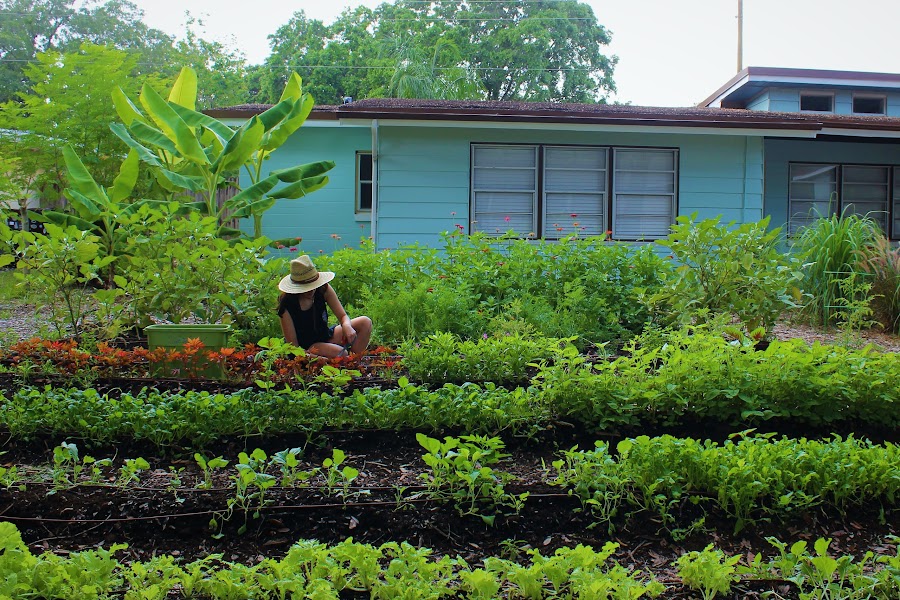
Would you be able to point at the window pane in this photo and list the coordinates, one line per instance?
(504, 179)
(365, 196)
(504, 211)
(365, 166)
(504, 156)
(812, 194)
(816, 102)
(575, 158)
(574, 191)
(865, 193)
(870, 106)
(571, 180)
(644, 185)
(895, 233)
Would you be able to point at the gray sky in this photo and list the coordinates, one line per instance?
(671, 52)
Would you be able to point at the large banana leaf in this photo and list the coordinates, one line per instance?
(147, 155)
(194, 184)
(256, 207)
(274, 115)
(85, 207)
(126, 180)
(80, 180)
(252, 193)
(241, 146)
(126, 109)
(172, 125)
(297, 173)
(301, 188)
(150, 135)
(293, 88)
(198, 119)
(184, 90)
(298, 115)
(63, 220)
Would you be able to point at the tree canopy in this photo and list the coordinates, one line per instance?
(531, 50)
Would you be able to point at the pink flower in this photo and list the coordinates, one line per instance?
(506, 219)
(279, 246)
(460, 227)
(297, 239)
(573, 215)
(484, 336)
(452, 213)
(293, 248)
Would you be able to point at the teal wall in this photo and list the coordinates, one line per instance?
(424, 174)
(780, 153)
(326, 212)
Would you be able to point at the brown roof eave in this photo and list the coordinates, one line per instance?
(646, 120)
(246, 113)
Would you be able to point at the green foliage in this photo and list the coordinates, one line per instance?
(443, 357)
(880, 261)
(60, 268)
(181, 268)
(67, 104)
(446, 50)
(709, 571)
(728, 270)
(193, 155)
(476, 285)
(461, 473)
(830, 250)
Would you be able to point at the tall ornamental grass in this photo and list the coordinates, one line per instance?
(881, 260)
(829, 249)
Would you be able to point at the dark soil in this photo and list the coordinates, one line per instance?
(159, 515)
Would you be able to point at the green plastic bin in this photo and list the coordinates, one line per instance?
(173, 337)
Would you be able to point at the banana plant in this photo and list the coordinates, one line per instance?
(103, 212)
(193, 155)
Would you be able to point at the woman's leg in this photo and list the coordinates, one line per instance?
(327, 349)
(363, 327)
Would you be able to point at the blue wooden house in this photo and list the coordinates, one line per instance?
(787, 143)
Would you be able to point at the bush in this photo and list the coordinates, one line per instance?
(730, 270)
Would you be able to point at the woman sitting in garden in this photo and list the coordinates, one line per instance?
(304, 317)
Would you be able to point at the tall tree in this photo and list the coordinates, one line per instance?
(69, 101)
(29, 27)
(536, 50)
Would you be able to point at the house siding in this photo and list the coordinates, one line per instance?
(424, 175)
(328, 211)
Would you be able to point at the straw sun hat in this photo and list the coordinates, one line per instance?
(304, 277)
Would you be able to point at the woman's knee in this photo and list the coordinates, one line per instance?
(362, 322)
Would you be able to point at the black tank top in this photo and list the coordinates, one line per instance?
(311, 325)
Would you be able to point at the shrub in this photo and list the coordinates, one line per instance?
(728, 269)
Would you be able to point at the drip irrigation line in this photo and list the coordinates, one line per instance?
(277, 507)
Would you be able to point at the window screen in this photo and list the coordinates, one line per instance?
(504, 189)
(574, 191)
(643, 193)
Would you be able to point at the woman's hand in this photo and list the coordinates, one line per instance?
(349, 334)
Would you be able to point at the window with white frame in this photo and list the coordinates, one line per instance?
(822, 190)
(554, 191)
(363, 182)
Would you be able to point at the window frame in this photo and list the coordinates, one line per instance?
(828, 95)
(836, 206)
(539, 203)
(358, 207)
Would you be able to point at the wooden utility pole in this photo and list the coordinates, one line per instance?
(740, 49)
